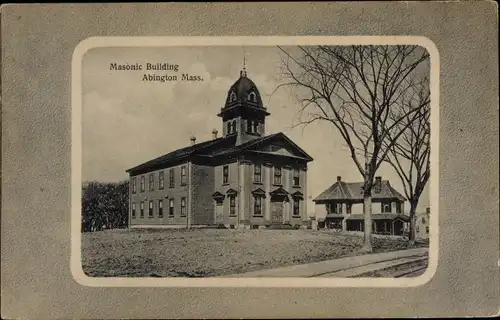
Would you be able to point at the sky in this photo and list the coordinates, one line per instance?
(127, 121)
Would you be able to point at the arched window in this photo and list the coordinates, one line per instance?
(252, 97)
(232, 97)
(234, 126)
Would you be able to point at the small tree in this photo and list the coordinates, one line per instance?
(409, 154)
(354, 88)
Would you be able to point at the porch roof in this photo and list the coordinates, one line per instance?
(380, 216)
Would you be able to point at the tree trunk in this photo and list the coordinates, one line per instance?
(367, 210)
(413, 222)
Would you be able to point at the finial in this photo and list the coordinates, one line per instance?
(243, 72)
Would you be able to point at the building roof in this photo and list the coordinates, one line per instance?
(353, 191)
(220, 147)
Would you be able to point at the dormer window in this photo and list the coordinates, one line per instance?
(232, 97)
(252, 97)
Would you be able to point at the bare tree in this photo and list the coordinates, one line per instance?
(355, 88)
(409, 154)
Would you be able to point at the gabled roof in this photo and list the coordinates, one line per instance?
(220, 147)
(353, 191)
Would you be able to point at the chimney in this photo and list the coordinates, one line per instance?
(193, 140)
(378, 184)
(339, 178)
(214, 134)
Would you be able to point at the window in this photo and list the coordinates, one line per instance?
(418, 229)
(142, 209)
(349, 208)
(160, 208)
(277, 175)
(335, 208)
(225, 175)
(142, 183)
(398, 207)
(427, 229)
(171, 178)
(249, 126)
(183, 175)
(183, 206)
(232, 206)
(296, 177)
(133, 209)
(423, 220)
(257, 206)
(150, 215)
(255, 127)
(171, 207)
(134, 185)
(296, 207)
(232, 97)
(234, 126)
(161, 179)
(252, 97)
(257, 173)
(386, 207)
(151, 182)
(229, 127)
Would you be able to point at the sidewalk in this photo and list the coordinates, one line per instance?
(333, 266)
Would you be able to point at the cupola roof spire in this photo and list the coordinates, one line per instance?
(243, 71)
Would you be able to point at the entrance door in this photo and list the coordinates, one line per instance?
(277, 212)
(219, 213)
(398, 227)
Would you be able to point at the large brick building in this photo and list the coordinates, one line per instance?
(243, 179)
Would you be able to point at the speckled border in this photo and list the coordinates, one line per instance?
(38, 41)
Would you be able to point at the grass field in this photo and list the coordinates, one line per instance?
(213, 252)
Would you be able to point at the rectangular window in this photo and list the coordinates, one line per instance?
(183, 206)
(134, 185)
(232, 206)
(160, 208)
(249, 126)
(423, 220)
(150, 213)
(151, 182)
(225, 175)
(143, 182)
(296, 177)
(171, 207)
(161, 180)
(296, 207)
(257, 206)
(339, 208)
(398, 207)
(257, 173)
(183, 175)
(427, 229)
(142, 209)
(386, 207)
(133, 209)
(277, 175)
(349, 208)
(171, 178)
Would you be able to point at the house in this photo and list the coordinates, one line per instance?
(422, 220)
(243, 179)
(342, 206)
